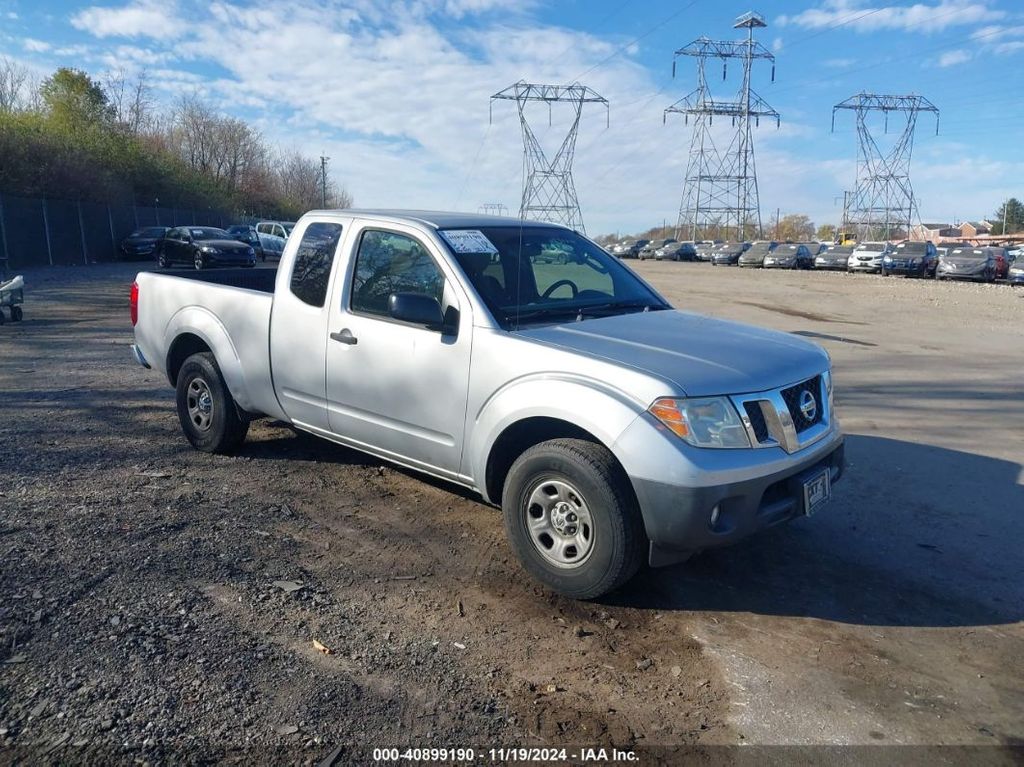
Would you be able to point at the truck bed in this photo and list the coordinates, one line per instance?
(261, 280)
(228, 310)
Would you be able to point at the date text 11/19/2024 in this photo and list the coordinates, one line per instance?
(504, 755)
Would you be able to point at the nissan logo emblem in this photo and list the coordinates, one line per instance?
(808, 405)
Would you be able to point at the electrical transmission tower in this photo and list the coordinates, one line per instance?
(549, 193)
(493, 209)
(720, 194)
(882, 204)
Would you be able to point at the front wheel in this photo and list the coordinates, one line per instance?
(206, 409)
(161, 260)
(199, 262)
(572, 518)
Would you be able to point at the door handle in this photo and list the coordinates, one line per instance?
(345, 336)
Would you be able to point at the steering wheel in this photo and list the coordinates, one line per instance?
(556, 285)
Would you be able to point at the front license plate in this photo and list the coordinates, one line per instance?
(817, 491)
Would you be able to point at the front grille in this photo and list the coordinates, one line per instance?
(792, 398)
(757, 422)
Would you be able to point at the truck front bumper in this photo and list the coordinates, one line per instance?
(693, 499)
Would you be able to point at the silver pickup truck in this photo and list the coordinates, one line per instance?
(610, 427)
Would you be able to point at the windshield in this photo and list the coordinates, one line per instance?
(874, 247)
(544, 274)
(912, 247)
(288, 228)
(208, 233)
(153, 232)
(838, 250)
(786, 250)
(972, 253)
(760, 249)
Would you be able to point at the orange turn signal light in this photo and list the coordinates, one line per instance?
(668, 412)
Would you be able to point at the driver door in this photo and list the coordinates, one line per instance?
(396, 388)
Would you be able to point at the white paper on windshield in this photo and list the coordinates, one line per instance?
(468, 241)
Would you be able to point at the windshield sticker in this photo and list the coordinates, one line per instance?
(468, 241)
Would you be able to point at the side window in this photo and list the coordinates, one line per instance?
(311, 269)
(388, 263)
(262, 229)
(279, 232)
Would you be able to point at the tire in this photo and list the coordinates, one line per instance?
(217, 427)
(16, 314)
(198, 261)
(582, 478)
(161, 260)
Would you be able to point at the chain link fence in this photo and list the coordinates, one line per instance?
(40, 232)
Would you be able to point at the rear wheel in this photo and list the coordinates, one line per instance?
(207, 411)
(572, 518)
(16, 314)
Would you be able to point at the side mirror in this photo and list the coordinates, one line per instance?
(417, 309)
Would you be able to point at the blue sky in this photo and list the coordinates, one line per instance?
(396, 91)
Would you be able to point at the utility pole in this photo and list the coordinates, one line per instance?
(720, 192)
(323, 180)
(1006, 205)
(549, 193)
(882, 200)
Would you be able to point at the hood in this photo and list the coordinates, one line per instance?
(223, 244)
(701, 356)
(965, 264)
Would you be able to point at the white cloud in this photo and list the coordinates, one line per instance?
(143, 18)
(952, 58)
(839, 63)
(35, 46)
(919, 17)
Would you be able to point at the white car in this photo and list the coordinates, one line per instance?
(868, 257)
(273, 235)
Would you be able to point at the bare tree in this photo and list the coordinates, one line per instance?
(131, 99)
(13, 78)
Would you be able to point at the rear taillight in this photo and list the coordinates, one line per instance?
(134, 301)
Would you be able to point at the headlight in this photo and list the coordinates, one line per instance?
(210, 250)
(708, 422)
(887, 259)
(915, 261)
(252, 253)
(827, 378)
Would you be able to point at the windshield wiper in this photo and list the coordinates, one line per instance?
(614, 306)
(515, 317)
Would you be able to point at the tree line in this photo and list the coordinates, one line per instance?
(74, 137)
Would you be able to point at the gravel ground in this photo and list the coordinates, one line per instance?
(159, 604)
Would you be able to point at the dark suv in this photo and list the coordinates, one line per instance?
(913, 259)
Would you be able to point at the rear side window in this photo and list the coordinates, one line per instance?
(388, 263)
(313, 258)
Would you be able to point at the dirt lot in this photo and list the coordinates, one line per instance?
(156, 602)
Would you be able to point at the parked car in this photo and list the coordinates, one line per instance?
(790, 255)
(1002, 258)
(610, 428)
(967, 263)
(756, 253)
(728, 254)
(1016, 272)
(913, 259)
(629, 248)
(706, 248)
(648, 250)
(247, 233)
(676, 251)
(834, 257)
(273, 235)
(816, 248)
(141, 243)
(202, 247)
(868, 257)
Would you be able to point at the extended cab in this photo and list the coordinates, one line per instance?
(610, 427)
